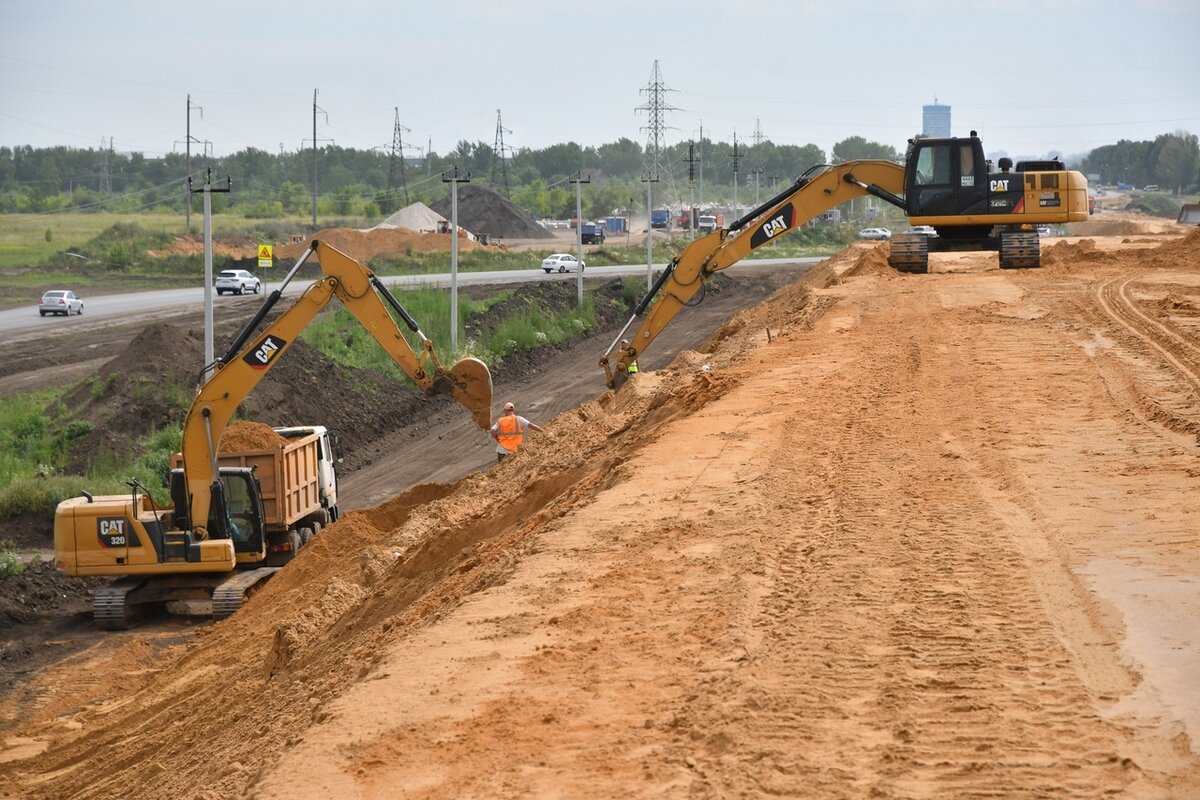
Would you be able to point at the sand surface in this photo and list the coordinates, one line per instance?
(906, 536)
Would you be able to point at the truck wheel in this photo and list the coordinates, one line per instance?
(325, 517)
(306, 535)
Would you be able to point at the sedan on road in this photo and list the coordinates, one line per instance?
(60, 301)
(875, 233)
(562, 262)
(237, 281)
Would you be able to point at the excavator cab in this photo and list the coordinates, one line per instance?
(946, 177)
(242, 509)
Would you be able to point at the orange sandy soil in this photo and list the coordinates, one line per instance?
(909, 536)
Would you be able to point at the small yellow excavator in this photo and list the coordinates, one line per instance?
(215, 539)
(945, 183)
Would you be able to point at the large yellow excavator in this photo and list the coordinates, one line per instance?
(945, 183)
(216, 539)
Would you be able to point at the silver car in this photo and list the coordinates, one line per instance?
(60, 301)
(562, 262)
(237, 281)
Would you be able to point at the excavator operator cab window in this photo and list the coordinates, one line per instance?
(245, 511)
(933, 165)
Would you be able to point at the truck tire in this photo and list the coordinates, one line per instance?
(307, 533)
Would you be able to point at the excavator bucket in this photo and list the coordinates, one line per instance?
(472, 387)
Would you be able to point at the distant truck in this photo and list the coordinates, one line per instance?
(592, 233)
(707, 223)
(616, 224)
(660, 218)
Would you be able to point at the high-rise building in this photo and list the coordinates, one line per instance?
(935, 120)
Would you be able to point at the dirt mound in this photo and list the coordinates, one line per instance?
(249, 436)
(484, 211)
(236, 247)
(146, 387)
(151, 384)
(363, 246)
(41, 590)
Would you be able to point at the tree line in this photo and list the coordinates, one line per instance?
(372, 183)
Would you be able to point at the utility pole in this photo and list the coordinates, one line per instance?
(692, 159)
(577, 180)
(454, 180)
(656, 107)
(736, 211)
(207, 189)
(701, 159)
(758, 157)
(649, 180)
(397, 158)
(316, 109)
(499, 158)
(188, 164)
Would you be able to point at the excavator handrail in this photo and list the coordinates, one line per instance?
(812, 194)
(248, 360)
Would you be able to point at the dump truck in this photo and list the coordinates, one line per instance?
(235, 518)
(591, 233)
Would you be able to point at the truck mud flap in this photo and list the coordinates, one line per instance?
(228, 597)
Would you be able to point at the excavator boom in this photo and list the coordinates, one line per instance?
(814, 193)
(248, 360)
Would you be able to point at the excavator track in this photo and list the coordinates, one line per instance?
(1020, 250)
(910, 253)
(111, 606)
(228, 597)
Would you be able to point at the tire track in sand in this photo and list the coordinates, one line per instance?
(903, 643)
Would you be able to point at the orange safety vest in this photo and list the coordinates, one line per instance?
(510, 432)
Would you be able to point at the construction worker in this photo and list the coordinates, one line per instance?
(633, 367)
(509, 431)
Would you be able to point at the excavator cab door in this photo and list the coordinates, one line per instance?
(243, 504)
(946, 177)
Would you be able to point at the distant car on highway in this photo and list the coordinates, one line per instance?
(875, 233)
(562, 262)
(60, 301)
(237, 281)
(923, 230)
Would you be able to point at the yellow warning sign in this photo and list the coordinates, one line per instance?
(265, 259)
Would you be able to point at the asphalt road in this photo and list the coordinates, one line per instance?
(19, 324)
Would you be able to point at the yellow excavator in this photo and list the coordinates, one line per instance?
(215, 539)
(945, 183)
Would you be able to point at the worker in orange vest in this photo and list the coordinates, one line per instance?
(633, 367)
(509, 431)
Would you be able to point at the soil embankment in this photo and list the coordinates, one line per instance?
(883, 535)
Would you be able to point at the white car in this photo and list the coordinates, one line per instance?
(237, 281)
(562, 262)
(875, 233)
(60, 301)
(923, 230)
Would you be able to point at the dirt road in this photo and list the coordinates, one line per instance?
(907, 536)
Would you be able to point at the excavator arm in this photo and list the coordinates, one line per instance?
(814, 193)
(248, 360)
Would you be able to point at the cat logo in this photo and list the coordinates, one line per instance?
(111, 531)
(773, 227)
(999, 185)
(263, 353)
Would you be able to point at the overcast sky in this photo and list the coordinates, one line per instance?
(1034, 78)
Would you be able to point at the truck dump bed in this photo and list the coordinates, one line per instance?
(288, 475)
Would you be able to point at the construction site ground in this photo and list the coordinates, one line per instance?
(881, 535)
